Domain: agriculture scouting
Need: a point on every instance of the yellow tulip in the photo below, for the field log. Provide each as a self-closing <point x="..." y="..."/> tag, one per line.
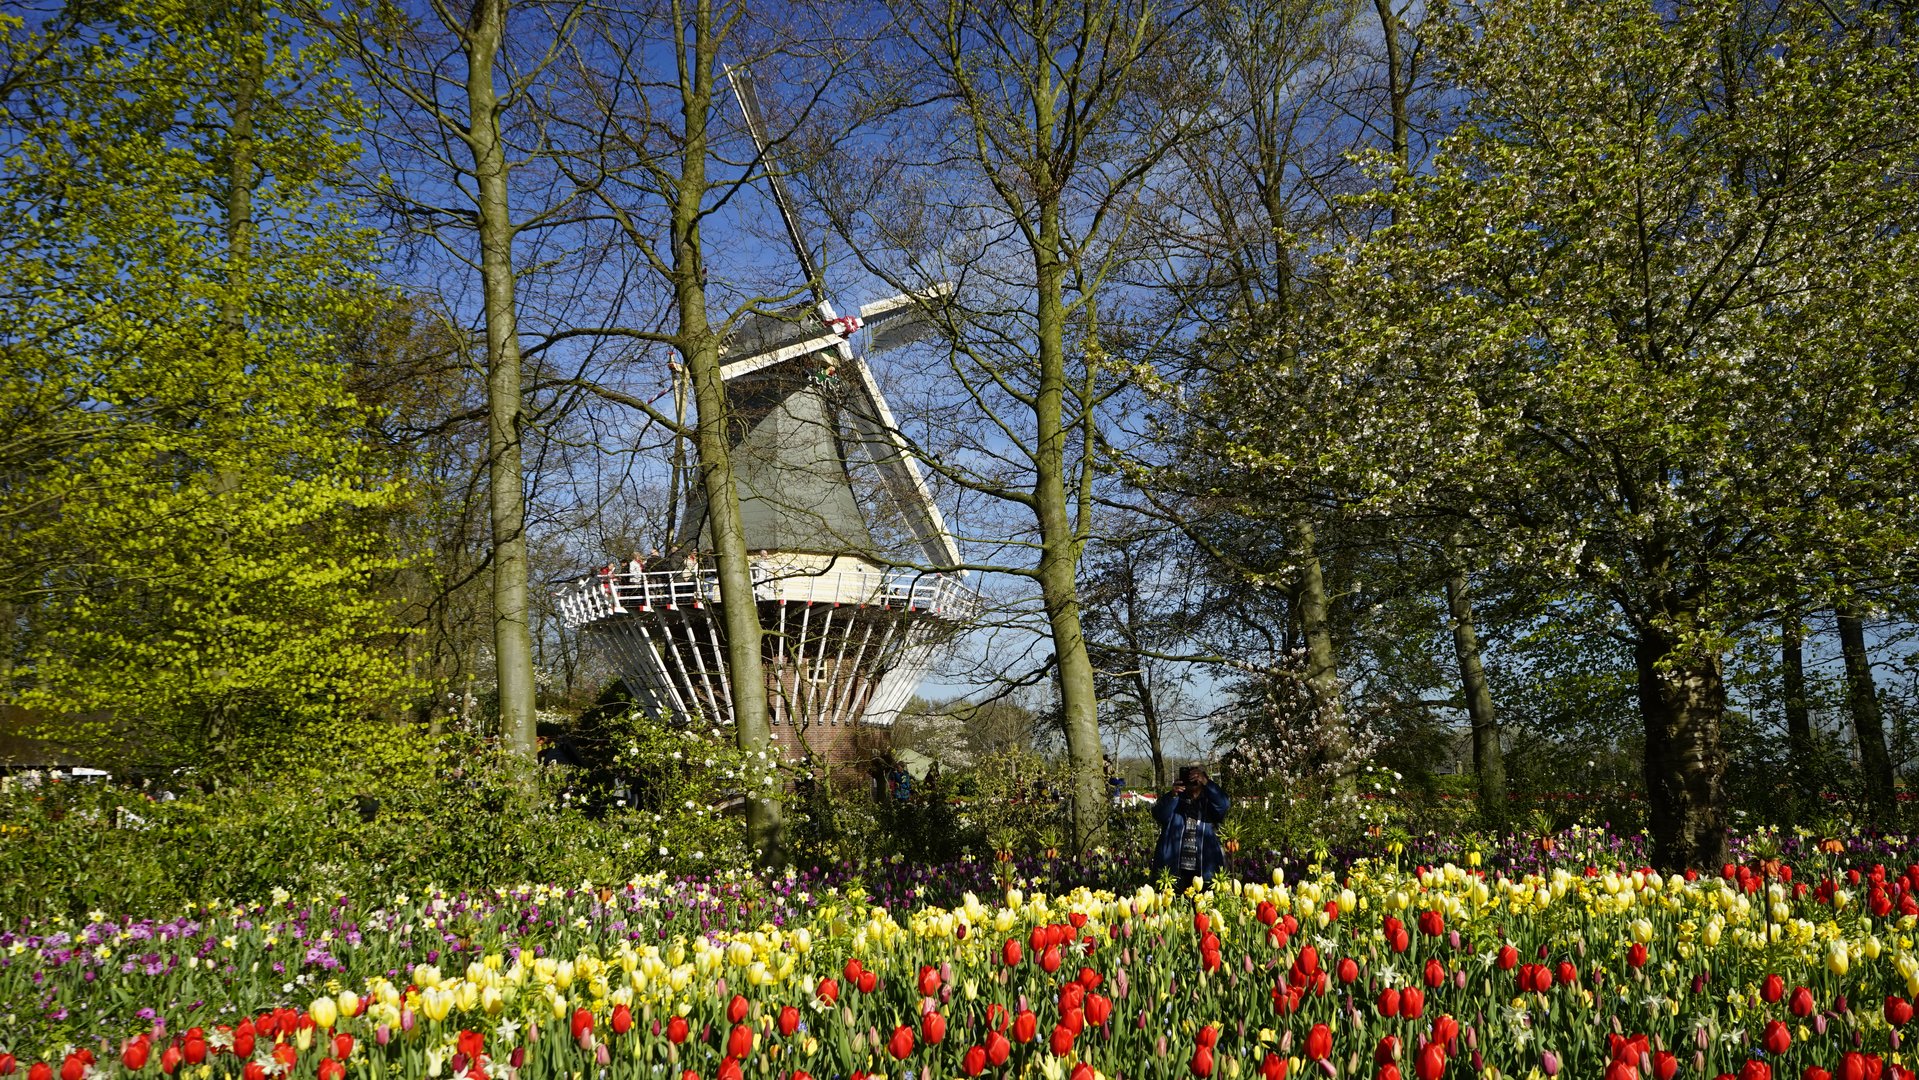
<point x="325" y="1012"/>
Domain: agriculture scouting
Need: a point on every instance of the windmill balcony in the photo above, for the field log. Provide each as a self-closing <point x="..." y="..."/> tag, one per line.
<point x="592" y="597"/>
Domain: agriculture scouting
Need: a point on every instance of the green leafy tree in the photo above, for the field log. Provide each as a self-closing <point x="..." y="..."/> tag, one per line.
<point x="1649" y="319"/>
<point x="191" y="536"/>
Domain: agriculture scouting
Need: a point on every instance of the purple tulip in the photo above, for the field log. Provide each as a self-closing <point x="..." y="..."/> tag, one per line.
<point x="1549" y="1063"/>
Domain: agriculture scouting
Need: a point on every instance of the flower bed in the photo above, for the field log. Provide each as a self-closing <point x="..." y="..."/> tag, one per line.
<point x="1450" y="971"/>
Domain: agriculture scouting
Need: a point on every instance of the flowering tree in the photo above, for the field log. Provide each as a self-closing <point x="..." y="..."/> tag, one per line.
<point x="1649" y="321"/>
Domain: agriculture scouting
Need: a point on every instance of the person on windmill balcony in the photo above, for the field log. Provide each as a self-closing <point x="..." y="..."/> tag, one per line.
<point x="1189" y="817"/>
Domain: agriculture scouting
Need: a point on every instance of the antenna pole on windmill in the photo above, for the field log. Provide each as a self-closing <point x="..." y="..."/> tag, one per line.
<point x="749" y="99"/>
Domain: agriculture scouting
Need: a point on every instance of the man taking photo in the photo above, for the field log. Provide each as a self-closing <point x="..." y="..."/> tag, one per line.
<point x="1189" y="817"/>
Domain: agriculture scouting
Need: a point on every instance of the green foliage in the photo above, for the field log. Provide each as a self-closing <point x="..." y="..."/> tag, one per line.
<point x="359" y="809"/>
<point x="191" y="533"/>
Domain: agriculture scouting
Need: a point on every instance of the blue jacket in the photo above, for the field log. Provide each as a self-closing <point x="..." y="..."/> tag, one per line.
<point x="1213" y="805"/>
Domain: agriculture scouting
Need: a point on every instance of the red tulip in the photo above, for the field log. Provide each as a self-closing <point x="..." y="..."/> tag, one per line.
<point x="1049" y="960"/>
<point x="789" y="1021"/>
<point x="997" y="1049"/>
<point x="739" y="1041"/>
<point x="1272" y="1067"/>
<point x="1202" y="1063"/>
<point x="582" y="1023"/>
<point x="1772" y="988"/>
<point x="1387" y="1050"/>
<point x="1508" y="956"/>
<point x="243" y="1040"/>
<point x="1814" y="1072"/>
<point x="1348" y="971"/>
<point x="1201" y="923"/>
<point x="730" y="1070"/>
<point x="1755" y="1070"/>
<point x="736" y="1009"/>
<point x="195" y="1049"/>
<point x="1435" y="973"/>
<point x="1209" y="959"/>
<point x="1636" y="955"/>
<point x="1776" y="1039"/>
<point x="1062" y="1041"/>
<point x="1388" y="1002"/>
<point x="7" y="1064"/>
<point x="1431" y="1062"/>
<point x="1898" y="1011"/>
<point x="869" y="982"/>
<point x="929" y="980"/>
<point x="1621" y="1070"/>
<point x="1412" y="1003"/>
<point x="800" y="1074"/>
<point x="1098" y="1008"/>
<point x="974" y="1062"/>
<point x="1266" y="913"/>
<point x="134" y="1054"/>
<point x="676" y="1030"/>
<point x="253" y="1071"/>
<point x="1025" y="1026"/>
<point x="1431" y="923"/>
<point x="1542" y="978"/>
<point x="1308" y="962"/>
<point x="933" y="1028"/>
<point x="285" y="1055"/>
<point x="1852" y="1066"/>
<point x="1568" y="974"/>
<point x="827" y="991"/>
<point x="1082" y="1071"/>
<point x="852" y="970"/>
<point x="331" y="1070"/>
<point x="901" y="1044"/>
<point x="473" y="1044"/>
<point x="39" y="1070"/>
<point x="621" y="1021"/>
<point x="1208" y="1036"/>
<point x="1801" y="1002"/>
<point x="1445" y="1032"/>
<point x="1319" y="1043"/>
<point x="1009" y="953"/>
<point x="1390" y="1070"/>
<point x="1400" y="940"/>
<point x="1664" y="1065"/>
<point x="342" y="1046"/>
<point x="1071" y="995"/>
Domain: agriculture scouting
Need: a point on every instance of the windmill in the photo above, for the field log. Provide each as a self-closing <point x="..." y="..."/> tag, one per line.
<point x="849" y="634"/>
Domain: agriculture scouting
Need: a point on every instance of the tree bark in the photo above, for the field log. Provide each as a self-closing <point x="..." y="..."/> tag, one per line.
<point x="512" y="636"/>
<point x="1868" y="721"/>
<point x="1682" y="699"/>
<point x="699" y="347"/>
<point x="1798" y="720"/>
<point x="1489" y="761"/>
<point x="1322" y="672"/>
<point x="250" y="70"/>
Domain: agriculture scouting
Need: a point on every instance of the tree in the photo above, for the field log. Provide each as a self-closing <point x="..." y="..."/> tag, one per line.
<point x="1026" y="169"/>
<point x="1647" y="319"/>
<point x="400" y="58"/>
<point x="200" y="525"/>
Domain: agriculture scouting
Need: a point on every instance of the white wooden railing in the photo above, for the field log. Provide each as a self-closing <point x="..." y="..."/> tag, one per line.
<point x="600" y="595"/>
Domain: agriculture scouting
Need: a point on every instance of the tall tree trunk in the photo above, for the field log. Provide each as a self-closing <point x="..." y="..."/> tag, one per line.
<point x="1868" y="722"/>
<point x="700" y="349"/>
<point x="1798" y="721"/>
<point x="249" y="69"/>
<point x="1149" y="716"/>
<point x="1059" y="538"/>
<point x="1489" y="761"/>
<point x="1322" y="672"/>
<point x="1682" y="698"/>
<point x="512" y="635"/>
